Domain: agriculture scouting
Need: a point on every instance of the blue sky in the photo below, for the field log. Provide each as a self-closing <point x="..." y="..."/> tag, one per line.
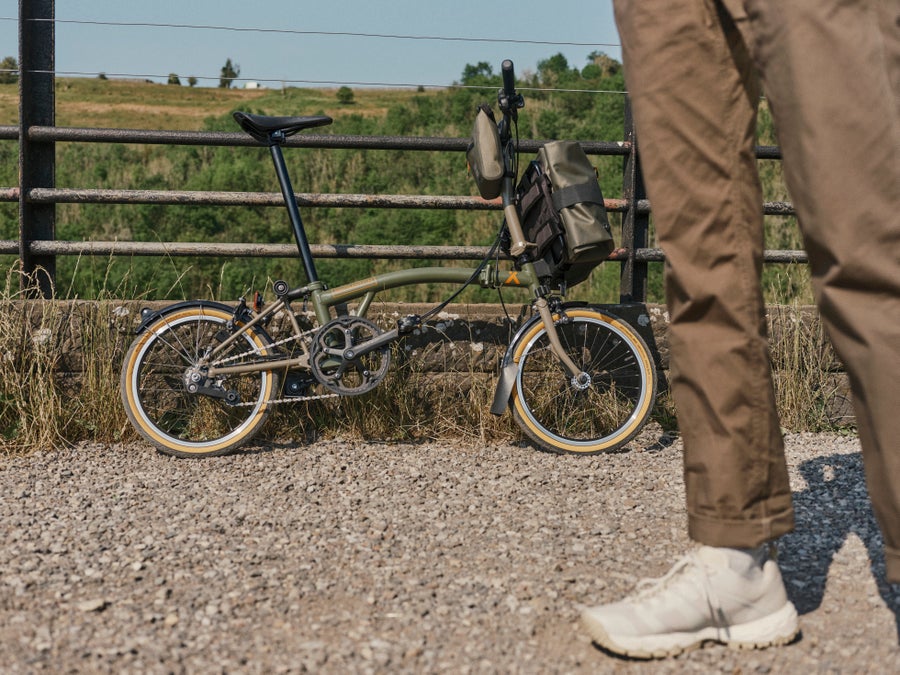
<point x="305" y="59"/>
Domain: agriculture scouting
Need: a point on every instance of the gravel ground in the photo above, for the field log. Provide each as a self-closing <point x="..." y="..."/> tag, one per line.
<point x="346" y="557"/>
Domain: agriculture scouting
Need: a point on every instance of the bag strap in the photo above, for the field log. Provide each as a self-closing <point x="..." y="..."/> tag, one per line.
<point x="487" y="110"/>
<point x="565" y="197"/>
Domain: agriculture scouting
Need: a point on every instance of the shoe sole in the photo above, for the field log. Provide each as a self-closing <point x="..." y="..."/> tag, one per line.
<point x="778" y="628"/>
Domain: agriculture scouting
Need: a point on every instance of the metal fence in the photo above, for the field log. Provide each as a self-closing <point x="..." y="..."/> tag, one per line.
<point x="37" y="194"/>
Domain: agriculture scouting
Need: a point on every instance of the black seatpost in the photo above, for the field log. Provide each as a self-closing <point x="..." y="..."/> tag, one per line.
<point x="287" y="192"/>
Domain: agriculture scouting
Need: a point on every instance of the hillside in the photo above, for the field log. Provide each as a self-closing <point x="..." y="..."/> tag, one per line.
<point x="581" y="114"/>
<point x="129" y="104"/>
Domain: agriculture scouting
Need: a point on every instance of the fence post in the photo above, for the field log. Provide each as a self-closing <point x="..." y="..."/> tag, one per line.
<point x="37" y="159"/>
<point x="635" y="226"/>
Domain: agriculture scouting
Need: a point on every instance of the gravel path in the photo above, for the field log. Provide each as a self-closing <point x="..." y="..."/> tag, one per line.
<point x="346" y="557"/>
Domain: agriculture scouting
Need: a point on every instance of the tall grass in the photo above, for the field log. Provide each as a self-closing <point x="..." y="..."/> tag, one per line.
<point x="809" y="390"/>
<point x="60" y="364"/>
<point x="59" y="369"/>
<point x="32" y="406"/>
<point x="437" y="390"/>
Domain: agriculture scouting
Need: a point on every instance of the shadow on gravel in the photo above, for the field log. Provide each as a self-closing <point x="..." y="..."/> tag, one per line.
<point x="834" y="505"/>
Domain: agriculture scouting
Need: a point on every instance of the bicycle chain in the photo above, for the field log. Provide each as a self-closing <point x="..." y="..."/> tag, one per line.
<point x="252" y="352"/>
<point x="273" y="401"/>
<point x="290" y="399"/>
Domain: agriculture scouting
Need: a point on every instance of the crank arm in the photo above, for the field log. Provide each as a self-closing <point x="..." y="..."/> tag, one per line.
<point x="372" y="345"/>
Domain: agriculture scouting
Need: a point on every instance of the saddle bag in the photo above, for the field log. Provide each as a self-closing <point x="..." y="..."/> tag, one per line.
<point x="560" y="207"/>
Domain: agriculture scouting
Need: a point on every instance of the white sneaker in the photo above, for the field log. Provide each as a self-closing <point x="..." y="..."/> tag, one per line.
<point x="730" y="596"/>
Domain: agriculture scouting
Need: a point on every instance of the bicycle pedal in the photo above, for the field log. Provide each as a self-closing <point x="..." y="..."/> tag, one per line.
<point x="408" y="323"/>
<point x="297" y="384"/>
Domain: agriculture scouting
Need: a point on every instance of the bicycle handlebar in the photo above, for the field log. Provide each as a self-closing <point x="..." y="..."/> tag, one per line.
<point x="509" y="100"/>
<point x="509" y="79"/>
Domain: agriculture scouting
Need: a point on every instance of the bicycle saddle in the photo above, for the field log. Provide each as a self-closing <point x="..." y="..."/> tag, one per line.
<point x="261" y="127"/>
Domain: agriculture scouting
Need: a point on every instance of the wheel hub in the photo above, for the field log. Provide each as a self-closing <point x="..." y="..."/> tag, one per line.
<point x="581" y="381"/>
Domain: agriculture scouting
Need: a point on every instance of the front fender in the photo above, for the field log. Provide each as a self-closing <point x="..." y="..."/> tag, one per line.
<point x="508" y="369"/>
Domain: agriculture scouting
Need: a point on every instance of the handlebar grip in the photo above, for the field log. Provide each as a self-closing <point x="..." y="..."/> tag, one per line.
<point x="509" y="77"/>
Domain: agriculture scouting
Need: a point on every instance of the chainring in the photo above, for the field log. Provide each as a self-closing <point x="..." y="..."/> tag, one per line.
<point x="348" y="376"/>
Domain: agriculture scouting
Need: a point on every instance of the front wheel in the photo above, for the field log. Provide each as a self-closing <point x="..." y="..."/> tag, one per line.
<point x="599" y="411"/>
<point x="177" y="410"/>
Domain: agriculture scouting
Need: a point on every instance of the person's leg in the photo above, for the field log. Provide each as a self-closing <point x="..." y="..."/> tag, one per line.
<point x="694" y="94"/>
<point x="831" y="71"/>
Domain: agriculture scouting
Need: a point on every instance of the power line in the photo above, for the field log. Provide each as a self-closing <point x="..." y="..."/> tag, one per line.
<point x="307" y="82"/>
<point x="290" y="31"/>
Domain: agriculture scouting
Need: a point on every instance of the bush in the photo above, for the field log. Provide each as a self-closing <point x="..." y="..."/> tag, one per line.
<point x="9" y="70"/>
<point x="345" y="96"/>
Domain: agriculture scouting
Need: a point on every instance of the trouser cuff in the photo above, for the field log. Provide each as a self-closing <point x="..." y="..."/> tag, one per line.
<point x="892" y="563"/>
<point x="744" y="533"/>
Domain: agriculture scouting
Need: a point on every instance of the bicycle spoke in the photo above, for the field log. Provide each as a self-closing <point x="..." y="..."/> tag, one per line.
<point x="562" y="413"/>
<point x="155" y="380"/>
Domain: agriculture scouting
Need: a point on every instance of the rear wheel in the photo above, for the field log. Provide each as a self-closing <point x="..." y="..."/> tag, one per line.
<point x="598" y="412"/>
<point x="166" y="362"/>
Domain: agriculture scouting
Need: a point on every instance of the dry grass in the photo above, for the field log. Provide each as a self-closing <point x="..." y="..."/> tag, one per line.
<point x="412" y="403"/>
<point x="809" y="389"/>
<point x="60" y="363"/>
<point x="32" y="405"/>
<point x="59" y="370"/>
<point x="134" y="104"/>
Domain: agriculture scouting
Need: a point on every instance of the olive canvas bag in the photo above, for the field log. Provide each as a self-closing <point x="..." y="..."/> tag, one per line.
<point x="560" y="206"/>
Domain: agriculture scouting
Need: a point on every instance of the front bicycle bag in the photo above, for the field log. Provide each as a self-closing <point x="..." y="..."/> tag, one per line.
<point x="484" y="154"/>
<point x="560" y="207"/>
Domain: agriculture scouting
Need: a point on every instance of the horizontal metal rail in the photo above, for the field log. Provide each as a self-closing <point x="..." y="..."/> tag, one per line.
<point x="365" y="251"/>
<point x="176" y="197"/>
<point x="203" y="198"/>
<point x="332" y="141"/>
<point x="239" y="139"/>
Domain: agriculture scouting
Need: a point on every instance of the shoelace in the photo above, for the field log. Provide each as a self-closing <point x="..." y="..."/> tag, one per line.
<point x="648" y="588"/>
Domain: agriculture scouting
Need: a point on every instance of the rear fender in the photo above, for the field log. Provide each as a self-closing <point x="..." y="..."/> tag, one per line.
<point x="148" y="316"/>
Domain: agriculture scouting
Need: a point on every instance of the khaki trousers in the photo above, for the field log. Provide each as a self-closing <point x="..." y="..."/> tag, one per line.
<point x="830" y="70"/>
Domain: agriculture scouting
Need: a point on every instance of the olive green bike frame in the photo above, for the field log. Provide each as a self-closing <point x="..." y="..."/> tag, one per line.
<point x="324" y="299"/>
